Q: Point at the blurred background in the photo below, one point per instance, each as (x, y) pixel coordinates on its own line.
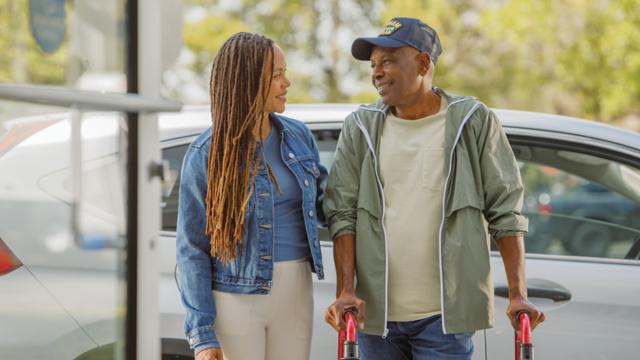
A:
(67, 264)
(573, 57)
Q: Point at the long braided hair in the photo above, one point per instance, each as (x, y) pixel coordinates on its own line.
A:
(238, 96)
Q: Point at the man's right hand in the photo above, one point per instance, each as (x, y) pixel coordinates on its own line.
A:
(210, 354)
(333, 315)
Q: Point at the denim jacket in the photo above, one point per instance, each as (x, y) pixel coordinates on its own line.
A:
(251, 272)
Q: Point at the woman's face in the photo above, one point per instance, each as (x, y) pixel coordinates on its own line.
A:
(277, 96)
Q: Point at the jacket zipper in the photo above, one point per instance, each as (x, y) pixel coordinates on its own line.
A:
(444, 197)
(384, 230)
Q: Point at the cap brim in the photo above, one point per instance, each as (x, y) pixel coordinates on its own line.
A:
(362, 47)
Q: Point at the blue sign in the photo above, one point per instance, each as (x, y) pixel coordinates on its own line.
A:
(47, 20)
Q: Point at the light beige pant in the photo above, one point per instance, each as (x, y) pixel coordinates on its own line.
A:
(270, 327)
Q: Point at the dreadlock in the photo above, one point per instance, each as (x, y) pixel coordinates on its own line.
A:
(238, 95)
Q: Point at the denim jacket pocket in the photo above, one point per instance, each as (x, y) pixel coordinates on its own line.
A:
(311, 167)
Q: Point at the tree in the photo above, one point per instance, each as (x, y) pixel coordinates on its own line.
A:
(586, 54)
(574, 57)
(21, 61)
(315, 36)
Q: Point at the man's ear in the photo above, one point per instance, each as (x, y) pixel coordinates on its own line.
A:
(423, 63)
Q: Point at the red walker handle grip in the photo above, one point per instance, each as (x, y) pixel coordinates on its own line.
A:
(347, 342)
(525, 327)
(350, 320)
(524, 347)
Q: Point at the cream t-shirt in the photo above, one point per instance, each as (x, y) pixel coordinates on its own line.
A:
(412, 168)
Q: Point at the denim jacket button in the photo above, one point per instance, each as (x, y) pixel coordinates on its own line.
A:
(291, 156)
(310, 213)
(306, 182)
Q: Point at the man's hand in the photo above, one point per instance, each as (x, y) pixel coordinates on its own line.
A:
(333, 315)
(210, 354)
(512, 252)
(516, 305)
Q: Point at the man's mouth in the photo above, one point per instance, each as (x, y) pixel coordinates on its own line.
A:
(381, 87)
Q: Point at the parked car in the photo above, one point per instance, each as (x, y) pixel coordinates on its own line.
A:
(590, 298)
(588, 218)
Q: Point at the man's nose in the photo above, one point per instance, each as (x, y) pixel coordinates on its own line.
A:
(376, 72)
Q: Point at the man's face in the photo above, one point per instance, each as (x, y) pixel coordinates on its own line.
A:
(395, 74)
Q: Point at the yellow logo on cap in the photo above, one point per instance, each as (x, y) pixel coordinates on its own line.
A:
(391, 27)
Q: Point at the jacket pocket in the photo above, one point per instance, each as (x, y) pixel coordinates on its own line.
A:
(311, 167)
(465, 185)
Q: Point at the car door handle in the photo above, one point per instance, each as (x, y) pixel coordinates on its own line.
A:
(539, 288)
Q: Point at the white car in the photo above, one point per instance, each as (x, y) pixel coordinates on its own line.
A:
(60, 299)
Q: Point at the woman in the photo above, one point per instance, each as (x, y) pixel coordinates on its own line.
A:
(246, 231)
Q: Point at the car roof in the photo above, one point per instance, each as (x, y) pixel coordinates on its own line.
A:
(192, 120)
(514, 119)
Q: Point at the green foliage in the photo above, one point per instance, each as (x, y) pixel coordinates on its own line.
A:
(21, 61)
(574, 57)
(309, 31)
(206, 36)
(581, 56)
(364, 97)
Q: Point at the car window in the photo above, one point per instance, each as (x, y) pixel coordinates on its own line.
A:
(579, 204)
(326, 139)
(169, 204)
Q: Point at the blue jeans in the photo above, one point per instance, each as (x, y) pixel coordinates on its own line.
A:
(416, 340)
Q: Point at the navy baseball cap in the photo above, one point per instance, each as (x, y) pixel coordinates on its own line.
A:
(400, 32)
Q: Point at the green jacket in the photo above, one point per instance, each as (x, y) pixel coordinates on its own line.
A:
(482, 200)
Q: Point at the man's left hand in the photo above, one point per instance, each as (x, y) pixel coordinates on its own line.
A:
(517, 305)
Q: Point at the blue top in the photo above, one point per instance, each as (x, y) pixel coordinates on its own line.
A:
(251, 272)
(290, 235)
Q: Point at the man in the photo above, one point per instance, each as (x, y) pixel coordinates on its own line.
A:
(421, 183)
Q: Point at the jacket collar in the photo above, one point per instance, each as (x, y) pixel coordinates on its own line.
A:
(276, 120)
(451, 98)
(282, 123)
